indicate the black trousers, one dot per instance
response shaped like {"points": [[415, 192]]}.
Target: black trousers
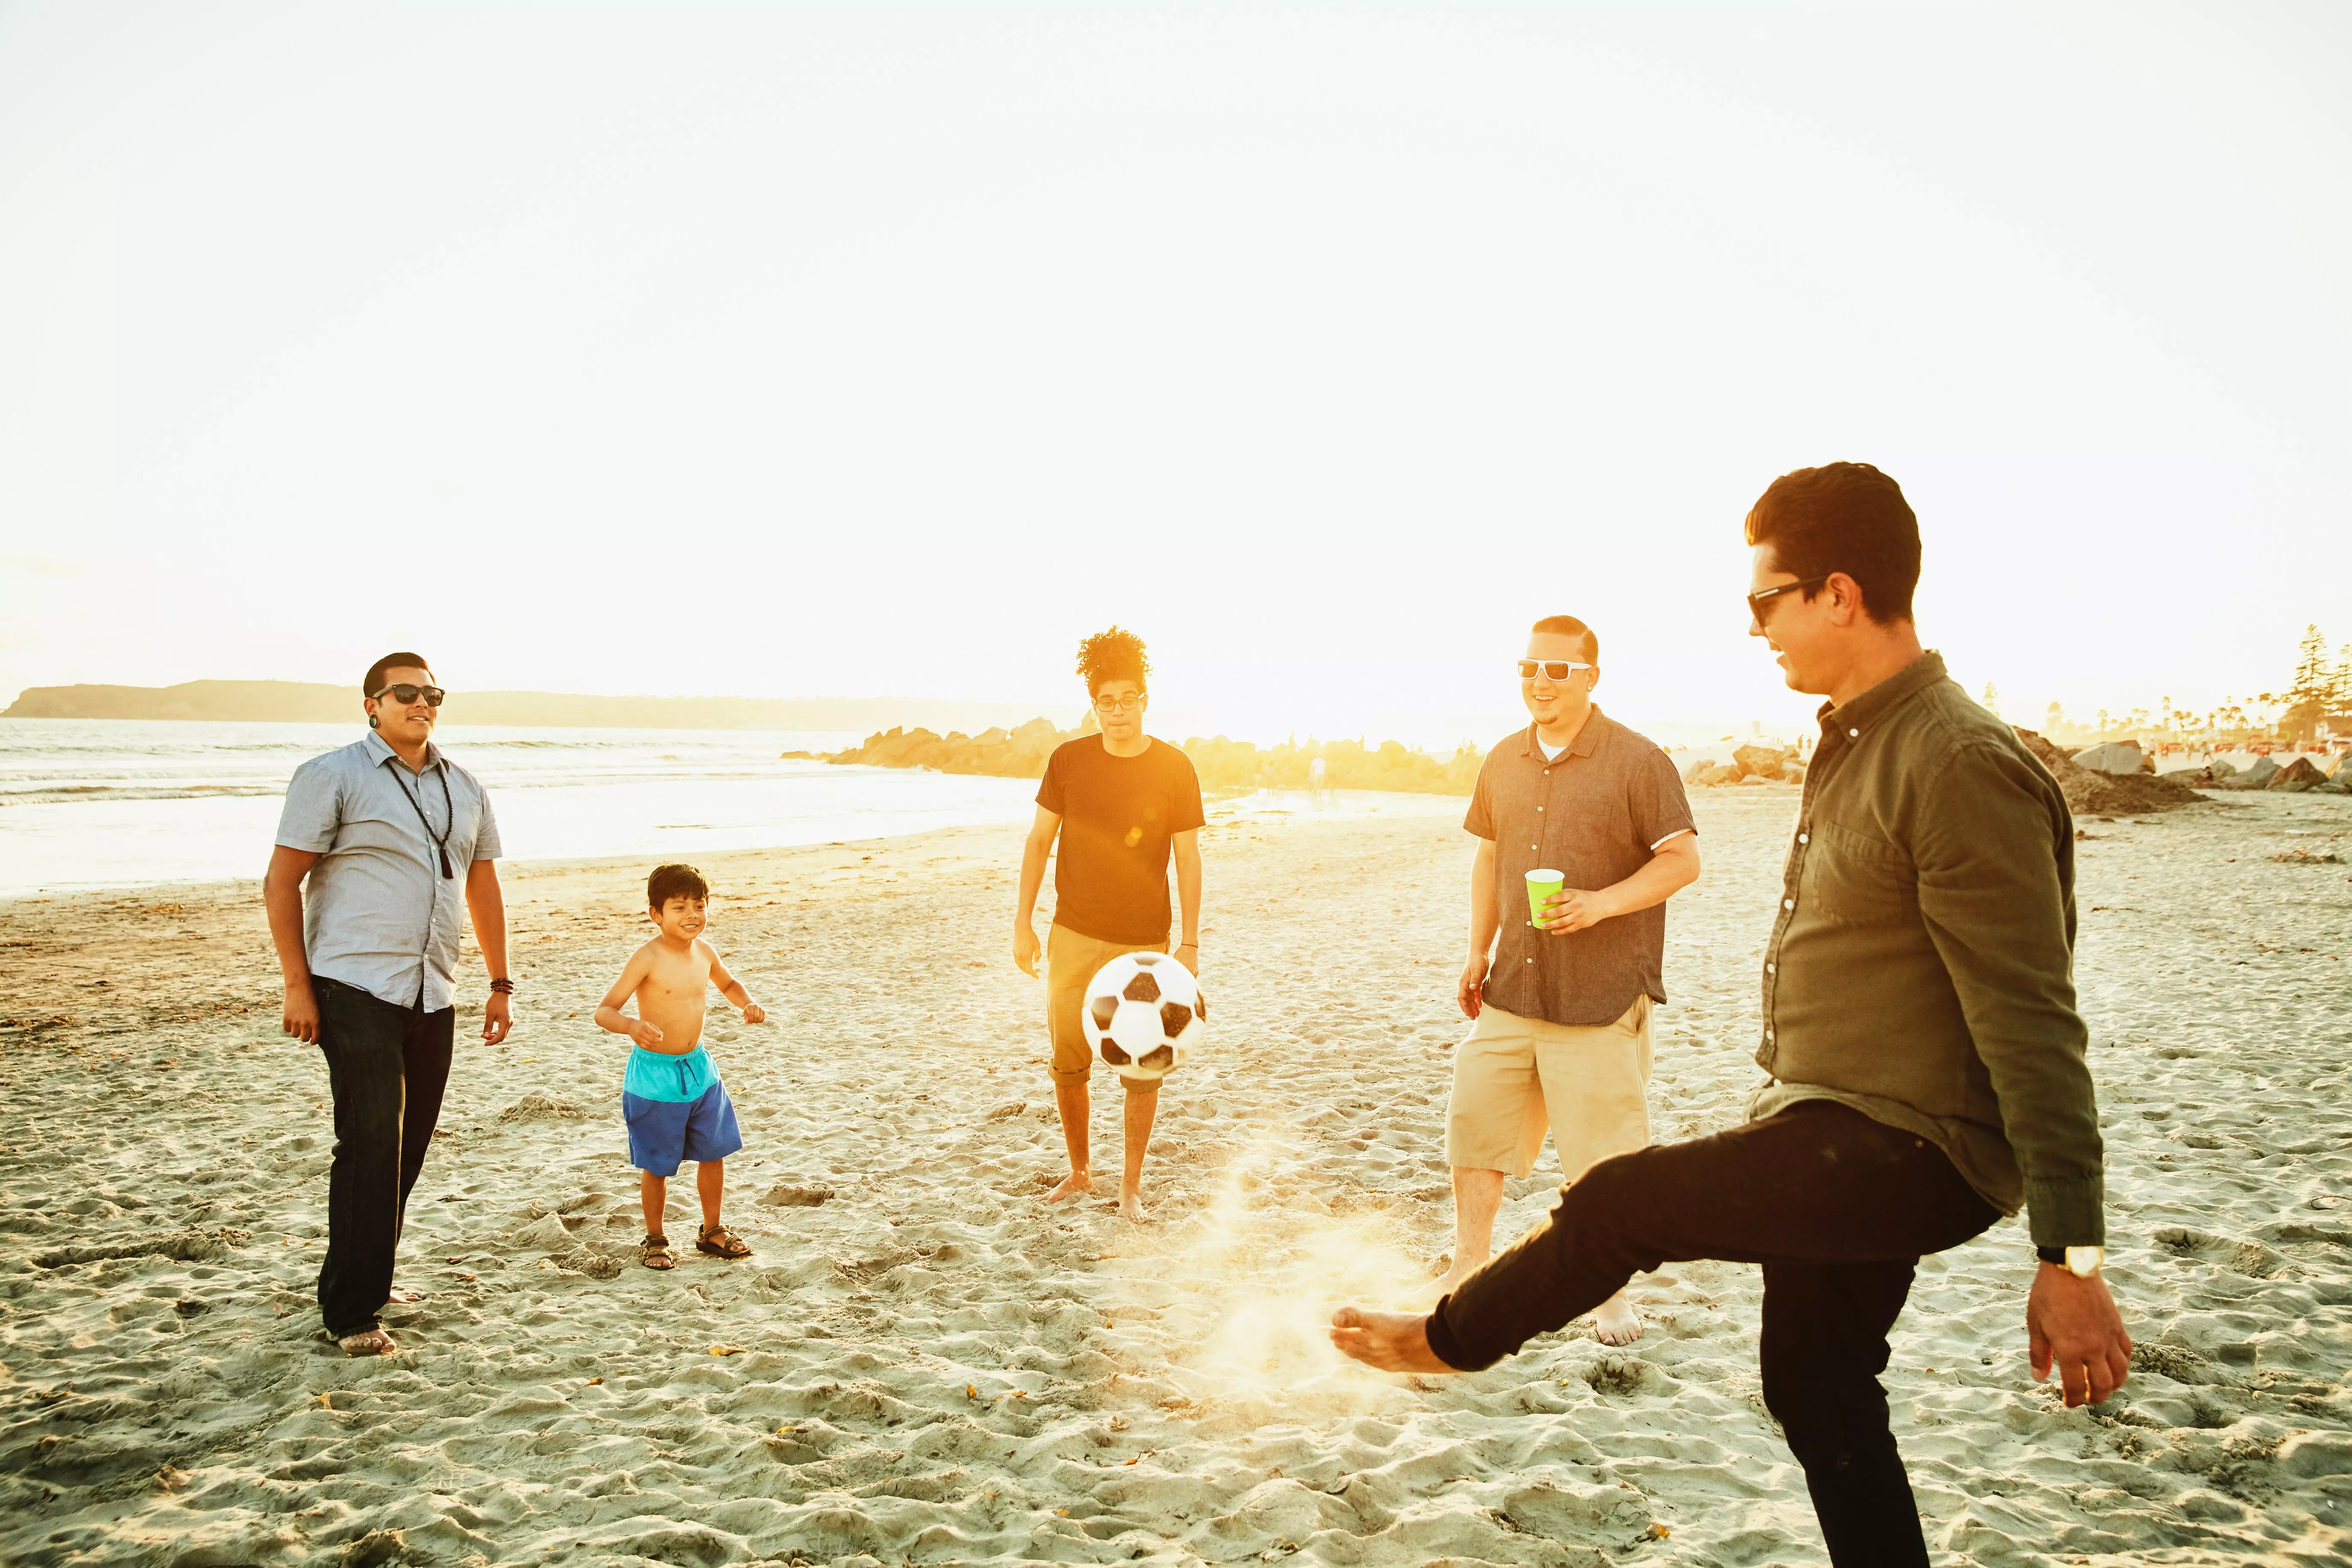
{"points": [[1837, 1207], [388, 1067]]}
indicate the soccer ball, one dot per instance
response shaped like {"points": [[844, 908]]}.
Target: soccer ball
{"points": [[1143, 1013]]}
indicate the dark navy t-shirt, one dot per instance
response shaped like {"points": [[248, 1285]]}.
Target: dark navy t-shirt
{"points": [[1118, 814]]}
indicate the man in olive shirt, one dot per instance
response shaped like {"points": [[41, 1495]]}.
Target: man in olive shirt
{"points": [[1920, 1022]]}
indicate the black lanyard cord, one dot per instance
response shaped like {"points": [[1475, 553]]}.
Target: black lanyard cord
{"points": [[440, 839]]}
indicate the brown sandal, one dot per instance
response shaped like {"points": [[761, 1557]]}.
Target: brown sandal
{"points": [[654, 1253], [720, 1242]]}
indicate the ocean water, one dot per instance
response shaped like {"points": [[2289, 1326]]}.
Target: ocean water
{"points": [[114, 802]]}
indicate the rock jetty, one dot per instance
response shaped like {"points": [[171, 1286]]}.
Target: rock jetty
{"points": [[1223, 763], [1749, 765]]}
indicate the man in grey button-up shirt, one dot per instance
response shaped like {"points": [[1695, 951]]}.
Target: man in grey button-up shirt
{"points": [[390, 835]]}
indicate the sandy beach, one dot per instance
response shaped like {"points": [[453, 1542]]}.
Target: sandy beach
{"points": [[923, 1363]]}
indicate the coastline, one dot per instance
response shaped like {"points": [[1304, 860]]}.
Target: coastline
{"points": [[922, 1361]]}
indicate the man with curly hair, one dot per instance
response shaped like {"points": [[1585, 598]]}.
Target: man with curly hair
{"points": [[1122, 803]]}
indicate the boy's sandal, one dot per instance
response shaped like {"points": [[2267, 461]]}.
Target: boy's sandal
{"points": [[654, 1253], [720, 1242]]}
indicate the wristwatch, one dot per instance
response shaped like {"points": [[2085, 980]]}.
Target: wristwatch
{"points": [[2081, 1262]]}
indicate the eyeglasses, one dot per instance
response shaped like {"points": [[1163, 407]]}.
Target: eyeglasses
{"points": [[404, 692], [1549, 668], [1756, 600], [1118, 704]]}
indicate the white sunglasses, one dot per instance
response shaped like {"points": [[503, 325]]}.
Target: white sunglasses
{"points": [[1549, 668]]}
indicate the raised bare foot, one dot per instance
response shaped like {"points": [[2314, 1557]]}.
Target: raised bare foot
{"points": [[400, 1297], [367, 1341], [1130, 1207], [1073, 1184], [1616, 1322], [1392, 1341]]}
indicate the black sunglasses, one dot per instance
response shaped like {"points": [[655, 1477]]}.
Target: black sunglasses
{"points": [[404, 692], [1756, 600]]}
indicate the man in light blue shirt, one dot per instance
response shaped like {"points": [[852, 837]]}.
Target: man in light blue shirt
{"points": [[391, 835]]}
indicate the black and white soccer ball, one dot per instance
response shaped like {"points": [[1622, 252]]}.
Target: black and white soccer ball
{"points": [[1143, 1013]]}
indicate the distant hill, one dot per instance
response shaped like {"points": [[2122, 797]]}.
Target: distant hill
{"points": [[306, 702]]}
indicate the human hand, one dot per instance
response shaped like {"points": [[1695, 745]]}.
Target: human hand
{"points": [[644, 1033], [1466, 991], [302, 1017], [1574, 909], [1390, 1342], [754, 1014], [498, 1019], [2072, 1322], [1193, 962], [1026, 949]]}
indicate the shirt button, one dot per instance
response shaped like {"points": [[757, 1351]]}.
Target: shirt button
{"points": [[1530, 960], [1767, 1033], [1771, 969], [1788, 903], [1805, 838], [1539, 808], [1853, 734]]}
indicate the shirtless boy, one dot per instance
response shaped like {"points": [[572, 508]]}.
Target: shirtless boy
{"points": [[671, 1098]]}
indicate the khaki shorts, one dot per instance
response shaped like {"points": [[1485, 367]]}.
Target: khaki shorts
{"points": [[1072, 960], [1514, 1078]]}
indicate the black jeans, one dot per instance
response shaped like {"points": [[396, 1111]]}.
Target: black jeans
{"points": [[1837, 1207], [387, 1066]]}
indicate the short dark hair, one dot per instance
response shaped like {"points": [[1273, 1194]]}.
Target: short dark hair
{"points": [[1114, 655], [1843, 517], [375, 681], [1570, 627], [674, 881]]}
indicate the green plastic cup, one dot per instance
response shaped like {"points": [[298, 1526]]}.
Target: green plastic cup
{"points": [[1541, 885]]}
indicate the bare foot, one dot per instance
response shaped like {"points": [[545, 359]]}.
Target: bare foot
{"points": [[1616, 1322], [1073, 1184], [400, 1297], [367, 1341], [1392, 1341], [1130, 1207]]}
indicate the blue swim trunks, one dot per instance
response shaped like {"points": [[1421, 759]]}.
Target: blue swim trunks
{"points": [[675, 1110]]}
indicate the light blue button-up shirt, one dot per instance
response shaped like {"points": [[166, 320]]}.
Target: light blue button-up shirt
{"points": [[378, 913]]}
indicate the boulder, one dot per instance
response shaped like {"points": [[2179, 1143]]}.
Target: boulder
{"points": [[2297, 775], [2195, 778], [1792, 772], [1713, 773], [2120, 757], [1760, 762], [2220, 768], [2090, 793], [2257, 777]]}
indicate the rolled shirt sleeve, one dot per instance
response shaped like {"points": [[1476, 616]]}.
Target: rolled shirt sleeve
{"points": [[1999, 914], [1480, 818], [1660, 807]]}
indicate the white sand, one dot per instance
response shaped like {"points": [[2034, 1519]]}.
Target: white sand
{"points": [[935, 1368]]}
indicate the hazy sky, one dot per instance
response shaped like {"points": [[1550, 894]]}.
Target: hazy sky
{"points": [[782, 350]]}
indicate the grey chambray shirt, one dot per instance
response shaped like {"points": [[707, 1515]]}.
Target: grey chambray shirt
{"points": [[1596, 815], [378, 914]]}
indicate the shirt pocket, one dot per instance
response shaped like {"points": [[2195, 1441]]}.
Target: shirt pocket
{"points": [[1856, 879]]}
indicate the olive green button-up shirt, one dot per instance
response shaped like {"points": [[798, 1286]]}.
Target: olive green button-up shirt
{"points": [[1921, 967]]}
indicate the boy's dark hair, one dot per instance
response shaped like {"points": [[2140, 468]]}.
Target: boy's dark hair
{"points": [[669, 882], [1843, 517], [1114, 655], [1570, 627], [375, 681]]}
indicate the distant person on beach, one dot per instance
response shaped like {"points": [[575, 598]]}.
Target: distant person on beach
{"points": [[672, 1100], [1315, 781], [390, 835], [1560, 1004], [1926, 1059], [1122, 804]]}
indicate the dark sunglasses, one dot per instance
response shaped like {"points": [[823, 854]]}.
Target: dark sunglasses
{"points": [[404, 692], [1552, 668], [1755, 601]]}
